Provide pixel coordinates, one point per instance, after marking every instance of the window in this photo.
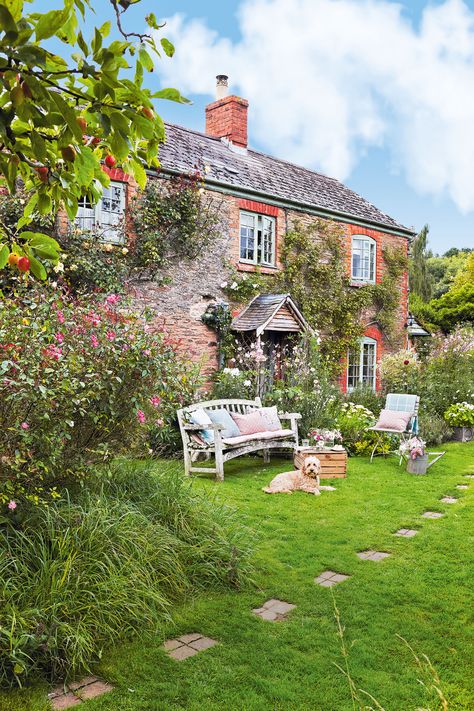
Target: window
(105, 216)
(363, 259)
(361, 365)
(257, 239)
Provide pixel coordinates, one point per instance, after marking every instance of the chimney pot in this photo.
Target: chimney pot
(222, 85)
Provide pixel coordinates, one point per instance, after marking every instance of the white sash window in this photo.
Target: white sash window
(105, 217)
(257, 239)
(362, 365)
(363, 259)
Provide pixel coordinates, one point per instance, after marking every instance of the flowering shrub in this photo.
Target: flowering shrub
(401, 372)
(460, 415)
(353, 421)
(79, 380)
(234, 383)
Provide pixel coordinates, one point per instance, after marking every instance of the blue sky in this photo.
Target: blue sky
(377, 93)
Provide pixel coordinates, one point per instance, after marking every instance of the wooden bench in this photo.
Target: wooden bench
(222, 449)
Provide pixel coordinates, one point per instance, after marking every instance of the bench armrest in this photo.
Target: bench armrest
(213, 426)
(289, 415)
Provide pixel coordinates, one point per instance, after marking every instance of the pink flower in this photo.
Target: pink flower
(53, 352)
(159, 422)
(112, 299)
(94, 341)
(60, 316)
(25, 426)
(110, 335)
(12, 505)
(147, 352)
(155, 400)
(141, 416)
(59, 337)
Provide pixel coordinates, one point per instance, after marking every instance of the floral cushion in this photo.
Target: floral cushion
(251, 423)
(393, 420)
(270, 415)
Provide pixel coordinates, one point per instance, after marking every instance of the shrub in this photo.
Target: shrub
(83, 575)
(460, 415)
(234, 383)
(79, 380)
(370, 399)
(401, 372)
(434, 429)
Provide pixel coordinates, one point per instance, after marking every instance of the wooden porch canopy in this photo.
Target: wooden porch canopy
(271, 312)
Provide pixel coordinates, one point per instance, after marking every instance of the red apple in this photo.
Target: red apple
(68, 153)
(24, 264)
(43, 173)
(81, 122)
(110, 161)
(148, 112)
(13, 259)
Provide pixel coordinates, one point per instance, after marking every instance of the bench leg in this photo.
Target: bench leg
(266, 456)
(219, 462)
(187, 462)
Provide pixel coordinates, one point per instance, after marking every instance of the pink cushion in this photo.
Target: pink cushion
(393, 420)
(258, 435)
(251, 423)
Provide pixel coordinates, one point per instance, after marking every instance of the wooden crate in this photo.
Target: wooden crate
(333, 464)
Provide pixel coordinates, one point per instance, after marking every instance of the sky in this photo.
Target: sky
(379, 94)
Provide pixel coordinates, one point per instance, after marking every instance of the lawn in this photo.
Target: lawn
(422, 592)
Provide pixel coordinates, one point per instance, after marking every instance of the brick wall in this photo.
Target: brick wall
(227, 118)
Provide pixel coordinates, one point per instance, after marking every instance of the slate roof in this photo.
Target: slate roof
(261, 309)
(252, 172)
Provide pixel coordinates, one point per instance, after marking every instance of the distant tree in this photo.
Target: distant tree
(421, 282)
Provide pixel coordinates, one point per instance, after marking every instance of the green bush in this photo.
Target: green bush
(80, 381)
(368, 398)
(434, 429)
(82, 575)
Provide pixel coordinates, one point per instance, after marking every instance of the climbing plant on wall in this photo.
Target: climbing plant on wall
(171, 219)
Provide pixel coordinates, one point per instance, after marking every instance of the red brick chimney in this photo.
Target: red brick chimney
(227, 116)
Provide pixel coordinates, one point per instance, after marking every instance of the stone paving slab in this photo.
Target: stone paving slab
(469, 476)
(328, 578)
(274, 610)
(372, 555)
(462, 486)
(406, 532)
(187, 645)
(432, 514)
(75, 692)
(449, 500)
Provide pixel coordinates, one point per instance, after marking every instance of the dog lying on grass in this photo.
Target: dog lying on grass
(305, 480)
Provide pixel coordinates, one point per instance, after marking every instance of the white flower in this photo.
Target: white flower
(247, 383)
(124, 250)
(234, 285)
(59, 267)
(223, 285)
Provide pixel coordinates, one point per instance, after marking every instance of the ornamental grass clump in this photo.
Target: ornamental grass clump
(82, 575)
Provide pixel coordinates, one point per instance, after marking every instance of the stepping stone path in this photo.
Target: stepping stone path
(462, 486)
(274, 610)
(432, 514)
(73, 694)
(406, 532)
(448, 500)
(187, 645)
(372, 555)
(469, 476)
(330, 578)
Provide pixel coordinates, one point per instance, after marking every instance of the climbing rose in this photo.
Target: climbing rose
(406, 362)
(25, 426)
(155, 400)
(141, 416)
(12, 505)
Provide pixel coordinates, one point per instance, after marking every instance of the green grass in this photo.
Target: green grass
(423, 592)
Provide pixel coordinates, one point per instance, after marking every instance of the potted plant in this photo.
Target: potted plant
(460, 417)
(414, 450)
(325, 438)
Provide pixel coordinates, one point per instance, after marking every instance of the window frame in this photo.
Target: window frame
(372, 249)
(107, 232)
(256, 217)
(360, 379)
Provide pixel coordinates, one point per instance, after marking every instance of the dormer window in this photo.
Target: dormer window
(257, 239)
(363, 260)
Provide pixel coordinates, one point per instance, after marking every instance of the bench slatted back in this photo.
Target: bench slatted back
(229, 404)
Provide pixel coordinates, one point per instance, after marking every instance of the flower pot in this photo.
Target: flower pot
(418, 465)
(463, 434)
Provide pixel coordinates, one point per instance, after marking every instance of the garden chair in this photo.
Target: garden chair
(398, 402)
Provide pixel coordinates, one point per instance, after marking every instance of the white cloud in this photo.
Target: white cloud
(328, 79)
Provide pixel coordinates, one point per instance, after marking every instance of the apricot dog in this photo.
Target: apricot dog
(305, 480)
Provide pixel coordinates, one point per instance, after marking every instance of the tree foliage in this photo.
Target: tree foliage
(60, 119)
(421, 280)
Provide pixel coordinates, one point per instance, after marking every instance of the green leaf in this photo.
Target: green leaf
(105, 28)
(41, 240)
(145, 59)
(167, 46)
(49, 24)
(139, 173)
(7, 21)
(44, 203)
(15, 7)
(4, 252)
(85, 164)
(37, 268)
(171, 95)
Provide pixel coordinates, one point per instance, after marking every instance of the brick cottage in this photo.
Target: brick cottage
(260, 198)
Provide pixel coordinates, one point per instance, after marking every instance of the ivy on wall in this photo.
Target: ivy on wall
(172, 219)
(314, 272)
